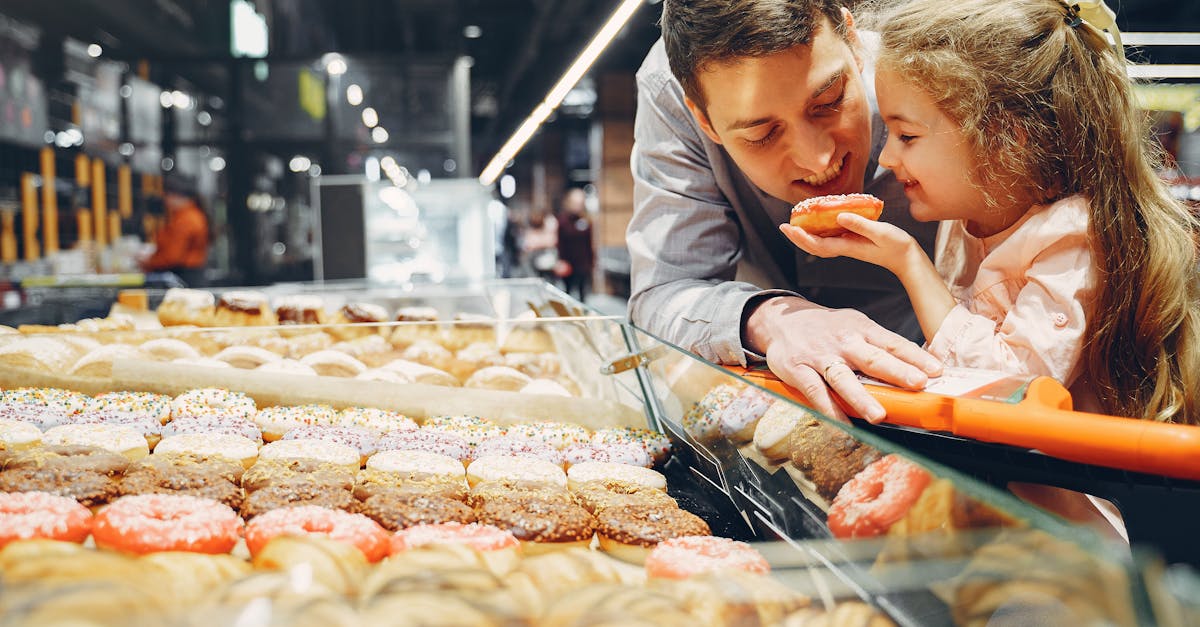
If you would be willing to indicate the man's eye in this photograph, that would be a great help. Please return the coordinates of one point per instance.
(832, 106)
(764, 140)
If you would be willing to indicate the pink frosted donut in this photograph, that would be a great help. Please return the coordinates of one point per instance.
(149, 523)
(680, 558)
(40, 515)
(613, 453)
(656, 444)
(428, 441)
(475, 535)
(739, 417)
(378, 420)
(510, 445)
(157, 406)
(214, 424)
(213, 401)
(337, 525)
(364, 441)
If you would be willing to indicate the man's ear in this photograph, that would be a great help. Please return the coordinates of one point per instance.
(702, 119)
(852, 38)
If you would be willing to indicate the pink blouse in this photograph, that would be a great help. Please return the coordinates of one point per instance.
(1024, 295)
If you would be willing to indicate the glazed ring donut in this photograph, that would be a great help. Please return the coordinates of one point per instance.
(17, 435)
(118, 439)
(150, 523)
(269, 473)
(539, 523)
(355, 529)
(487, 491)
(318, 450)
(681, 558)
(232, 447)
(479, 537)
(157, 406)
(296, 493)
(428, 441)
(148, 426)
(39, 515)
(595, 496)
(819, 215)
(877, 497)
(167, 349)
(516, 467)
(601, 471)
(416, 464)
(246, 357)
(213, 401)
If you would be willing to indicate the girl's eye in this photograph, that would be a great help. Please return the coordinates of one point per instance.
(906, 138)
(766, 139)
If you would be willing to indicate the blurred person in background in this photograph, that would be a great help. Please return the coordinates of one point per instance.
(181, 243)
(576, 257)
(541, 244)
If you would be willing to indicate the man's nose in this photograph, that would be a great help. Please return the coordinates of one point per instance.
(812, 149)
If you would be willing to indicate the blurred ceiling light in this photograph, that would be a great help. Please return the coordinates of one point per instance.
(126, 91)
(216, 164)
(334, 63)
(372, 169)
(379, 134)
(472, 31)
(181, 100)
(423, 176)
(126, 149)
(354, 94)
(388, 162)
(449, 165)
(508, 186)
(299, 163)
(314, 170)
(94, 51)
(168, 164)
(370, 117)
(204, 118)
(580, 67)
(164, 99)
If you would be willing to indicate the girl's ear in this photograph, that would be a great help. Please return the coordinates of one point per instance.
(852, 38)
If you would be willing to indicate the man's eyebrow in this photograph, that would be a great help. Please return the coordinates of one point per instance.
(834, 79)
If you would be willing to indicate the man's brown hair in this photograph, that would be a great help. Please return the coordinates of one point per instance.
(697, 33)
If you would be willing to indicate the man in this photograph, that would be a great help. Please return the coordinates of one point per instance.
(746, 107)
(181, 243)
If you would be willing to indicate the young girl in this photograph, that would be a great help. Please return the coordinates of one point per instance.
(1060, 251)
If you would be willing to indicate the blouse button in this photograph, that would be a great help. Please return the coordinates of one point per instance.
(1060, 319)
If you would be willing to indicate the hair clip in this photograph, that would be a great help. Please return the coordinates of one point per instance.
(1072, 17)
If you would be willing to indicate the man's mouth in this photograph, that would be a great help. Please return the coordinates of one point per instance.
(822, 178)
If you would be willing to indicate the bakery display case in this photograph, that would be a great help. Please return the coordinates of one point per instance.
(946, 549)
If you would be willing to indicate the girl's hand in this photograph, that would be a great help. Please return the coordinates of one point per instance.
(880, 243)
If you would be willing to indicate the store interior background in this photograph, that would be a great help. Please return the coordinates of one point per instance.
(303, 123)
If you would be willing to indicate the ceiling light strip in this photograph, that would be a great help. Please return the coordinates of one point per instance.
(556, 94)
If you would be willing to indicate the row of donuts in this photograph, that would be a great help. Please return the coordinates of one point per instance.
(211, 421)
(864, 492)
(311, 352)
(463, 575)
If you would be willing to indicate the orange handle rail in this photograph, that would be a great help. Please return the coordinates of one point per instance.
(1043, 420)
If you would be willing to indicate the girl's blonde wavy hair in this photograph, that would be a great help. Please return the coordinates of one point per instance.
(1050, 112)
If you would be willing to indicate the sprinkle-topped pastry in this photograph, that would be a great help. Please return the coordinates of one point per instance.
(233, 447)
(278, 420)
(415, 464)
(116, 438)
(680, 558)
(600, 471)
(213, 400)
(377, 420)
(477, 536)
(318, 450)
(157, 406)
(39, 515)
(428, 441)
(521, 447)
(656, 444)
(495, 467)
(703, 420)
(560, 435)
(40, 416)
(17, 435)
(214, 423)
(473, 429)
(65, 401)
(365, 441)
(149, 428)
(613, 453)
(540, 521)
(597, 495)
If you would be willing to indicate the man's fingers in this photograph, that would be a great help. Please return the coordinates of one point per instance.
(812, 386)
(841, 378)
(905, 351)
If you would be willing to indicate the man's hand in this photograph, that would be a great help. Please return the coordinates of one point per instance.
(817, 351)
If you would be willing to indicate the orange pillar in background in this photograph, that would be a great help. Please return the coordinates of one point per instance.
(29, 215)
(50, 242)
(99, 202)
(125, 191)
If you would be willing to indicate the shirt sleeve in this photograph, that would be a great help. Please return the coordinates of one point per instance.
(1043, 330)
(684, 241)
